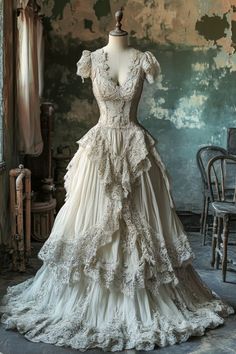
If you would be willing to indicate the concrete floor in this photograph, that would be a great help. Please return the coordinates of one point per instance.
(219, 341)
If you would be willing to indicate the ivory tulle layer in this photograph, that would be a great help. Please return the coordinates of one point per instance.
(117, 270)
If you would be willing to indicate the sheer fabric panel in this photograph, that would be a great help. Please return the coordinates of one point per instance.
(29, 80)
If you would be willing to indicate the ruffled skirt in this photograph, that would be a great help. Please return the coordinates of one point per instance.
(117, 270)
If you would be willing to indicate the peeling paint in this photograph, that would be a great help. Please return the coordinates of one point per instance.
(174, 21)
(200, 67)
(212, 27)
(224, 60)
(88, 24)
(197, 23)
(187, 114)
(161, 85)
(233, 29)
(102, 8)
(57, 10)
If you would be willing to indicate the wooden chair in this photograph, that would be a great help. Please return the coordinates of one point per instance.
(221, 177)
(204, 155)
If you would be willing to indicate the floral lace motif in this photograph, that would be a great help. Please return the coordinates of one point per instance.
(119, 173)
(155, 261)
(84, 65)
(118, 170)
(140, 62)
(73, 329)
(150, 67)
(152, 265)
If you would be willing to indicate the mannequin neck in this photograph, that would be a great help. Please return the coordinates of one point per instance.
(116, 43)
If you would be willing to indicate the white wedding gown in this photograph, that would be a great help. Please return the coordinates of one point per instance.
(117, 270)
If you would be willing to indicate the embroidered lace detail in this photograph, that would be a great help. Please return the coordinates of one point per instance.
(106, 88)
(119, 172)
(140, 66)
(150, 66)
(84, 65)
(153, 260)
(37, 321)
(151, 263)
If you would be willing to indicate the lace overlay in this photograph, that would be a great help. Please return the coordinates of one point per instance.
(117, 270)
(152, 263)
(39, 323)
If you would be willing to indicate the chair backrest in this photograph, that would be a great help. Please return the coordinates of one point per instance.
(221, 178)
(204, 155)
(231, 141)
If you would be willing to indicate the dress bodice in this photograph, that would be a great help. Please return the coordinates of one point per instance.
(118, 103)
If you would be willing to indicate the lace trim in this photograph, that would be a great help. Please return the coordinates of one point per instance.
(84, 65)
(153, 262)
(119, 174)
(105, 87)
(38, 323)
(114, 335)
(150, 66)
(117, 171)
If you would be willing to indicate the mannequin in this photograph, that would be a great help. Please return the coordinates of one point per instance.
(117, 51)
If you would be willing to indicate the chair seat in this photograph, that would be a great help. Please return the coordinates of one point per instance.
(224, 207)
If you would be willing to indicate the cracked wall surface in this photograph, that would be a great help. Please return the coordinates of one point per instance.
(193, 102)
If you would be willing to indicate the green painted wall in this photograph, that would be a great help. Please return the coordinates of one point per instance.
(191, 105)
(191, 108)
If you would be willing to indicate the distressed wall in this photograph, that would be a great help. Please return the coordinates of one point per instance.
(193, 102)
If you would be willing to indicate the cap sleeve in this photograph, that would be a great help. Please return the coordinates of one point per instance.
(84, 65)
(150, 66)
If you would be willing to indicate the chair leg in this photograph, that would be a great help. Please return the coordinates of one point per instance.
(202, 217)
(225, 246)
(207, 201)
(218, 242)
(202, 213)
(213, 240)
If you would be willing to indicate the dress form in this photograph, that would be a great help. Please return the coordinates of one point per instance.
(117, 51)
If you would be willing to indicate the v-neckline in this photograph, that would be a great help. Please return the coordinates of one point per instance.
(107, 67)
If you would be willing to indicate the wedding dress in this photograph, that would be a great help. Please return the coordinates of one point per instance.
(117, 268)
